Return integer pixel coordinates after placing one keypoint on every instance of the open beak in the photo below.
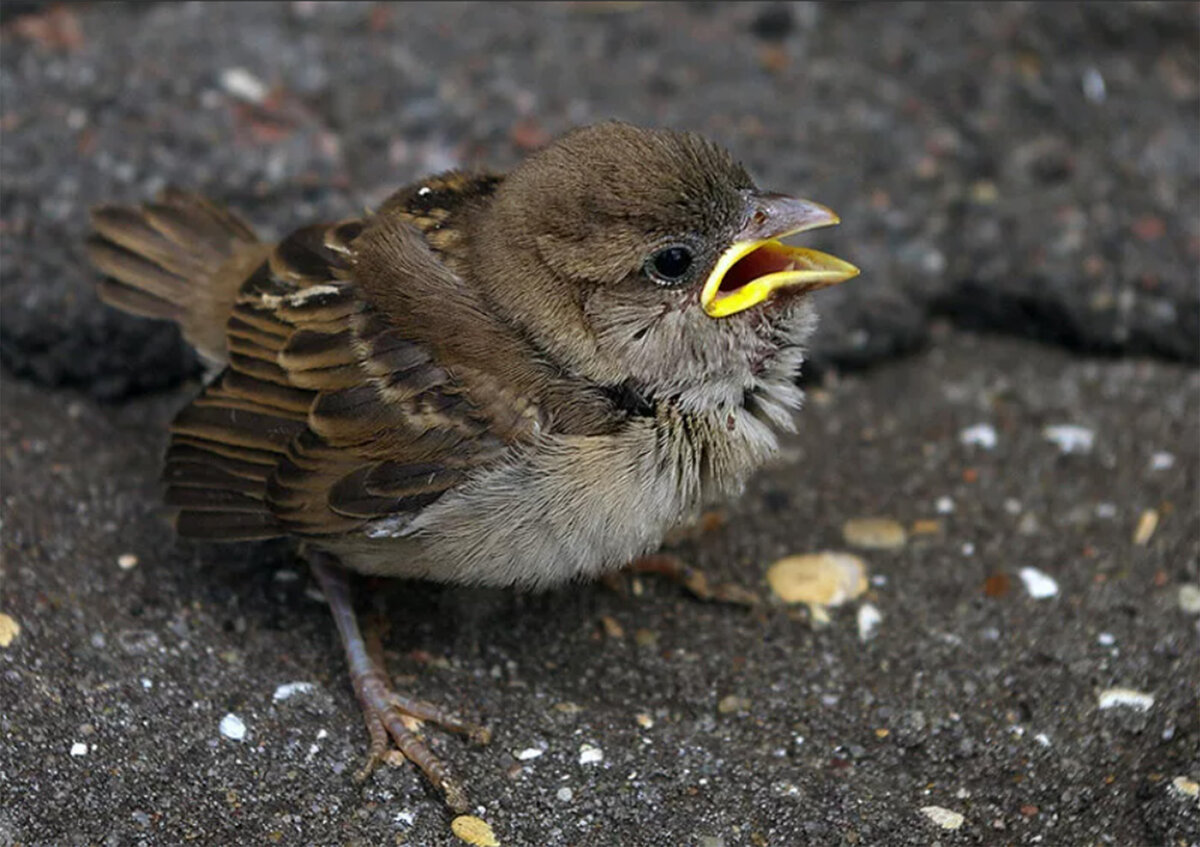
(758, 264)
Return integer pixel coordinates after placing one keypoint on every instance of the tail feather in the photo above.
(181, 258)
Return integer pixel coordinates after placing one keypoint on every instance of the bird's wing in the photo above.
(329, 415)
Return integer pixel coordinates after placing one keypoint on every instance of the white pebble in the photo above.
(79, 749)
(147, 683)
(1189, 598)
(1094, 88)
(565, 794)
(233, 728)
(1106, 510)
(944, 818)
(869, 618)
(1042, 738)
(1039, 585)
(980, 435)
(291, 689)
(529, 753)
(1070, 438)
(243, 85)
(1112, 697)
(1161, 461)
(944, 506)
(1012, 506)
(1106, 639)
(127, 561)
(968, 549)
(1185, 787)
(590, 754)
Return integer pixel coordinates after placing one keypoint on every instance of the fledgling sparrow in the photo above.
(494, 379)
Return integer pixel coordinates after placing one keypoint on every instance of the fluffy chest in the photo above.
(565, 507)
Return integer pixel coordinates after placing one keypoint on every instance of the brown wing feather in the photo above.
(327, 416)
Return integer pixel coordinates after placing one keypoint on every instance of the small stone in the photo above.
(818, 579)
(291, 689)
(645, 638)
(1039, 585)
(1111, 698)
(1185, 787)
(9, 629)
(926, 527)
(528, 754)
(1042, 738)
(565, 794)
(1162, 461)
(869, 619)
(1070, 438)
(945, 818)
(79, 749)
(1189, 598)
(733, 703)
(980, 435)
(232, 727)
(474, 831)
(1106, 639)
(127, 561)
(612, 627)
(243, 85)
(1093, 85)
(589, 754)
(944, 506)
(1147, 523)
(874, 533)
(644, 720)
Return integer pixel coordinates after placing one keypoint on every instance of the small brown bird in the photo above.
(499, 380)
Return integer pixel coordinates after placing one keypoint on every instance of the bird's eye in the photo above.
(670, 265)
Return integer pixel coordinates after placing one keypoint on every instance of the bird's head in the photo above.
(629, 253)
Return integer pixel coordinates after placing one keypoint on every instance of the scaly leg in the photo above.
(383, 708)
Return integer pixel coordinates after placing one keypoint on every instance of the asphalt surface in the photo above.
(1027, 169)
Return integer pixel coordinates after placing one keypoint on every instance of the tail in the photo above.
(180, 259)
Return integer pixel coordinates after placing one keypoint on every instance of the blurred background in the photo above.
(1020, 183)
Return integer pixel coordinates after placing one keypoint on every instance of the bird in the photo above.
(499, 379)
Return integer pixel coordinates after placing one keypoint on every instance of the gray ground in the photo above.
(1028, 169)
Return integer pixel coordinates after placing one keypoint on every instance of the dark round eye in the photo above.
(670, 265)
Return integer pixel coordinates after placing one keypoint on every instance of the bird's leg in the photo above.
(695, 581)
(384, 709)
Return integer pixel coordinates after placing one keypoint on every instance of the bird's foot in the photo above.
(694, 580)
(392, 718)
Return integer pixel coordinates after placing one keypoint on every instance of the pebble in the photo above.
(1106, 639)
(589, 754)
(1147, 523)
(644, 720)
(818, 579)
(874, 533)
(473, 830)
(243, 85)
(528, 754)
(869, 619)
(1162, 461)
(1185, 787)
(291, 689)
(980, 435)
(1039, 585)
(565, 794)
(1189, 598)
(1070, 438)
(944, 506)
(1113, 697)
(733, 703)
(79, 749)
(127, 561)
(9, 629)
(232, 727)
(945, 818)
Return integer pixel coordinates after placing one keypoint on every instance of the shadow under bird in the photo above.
(505, 380)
